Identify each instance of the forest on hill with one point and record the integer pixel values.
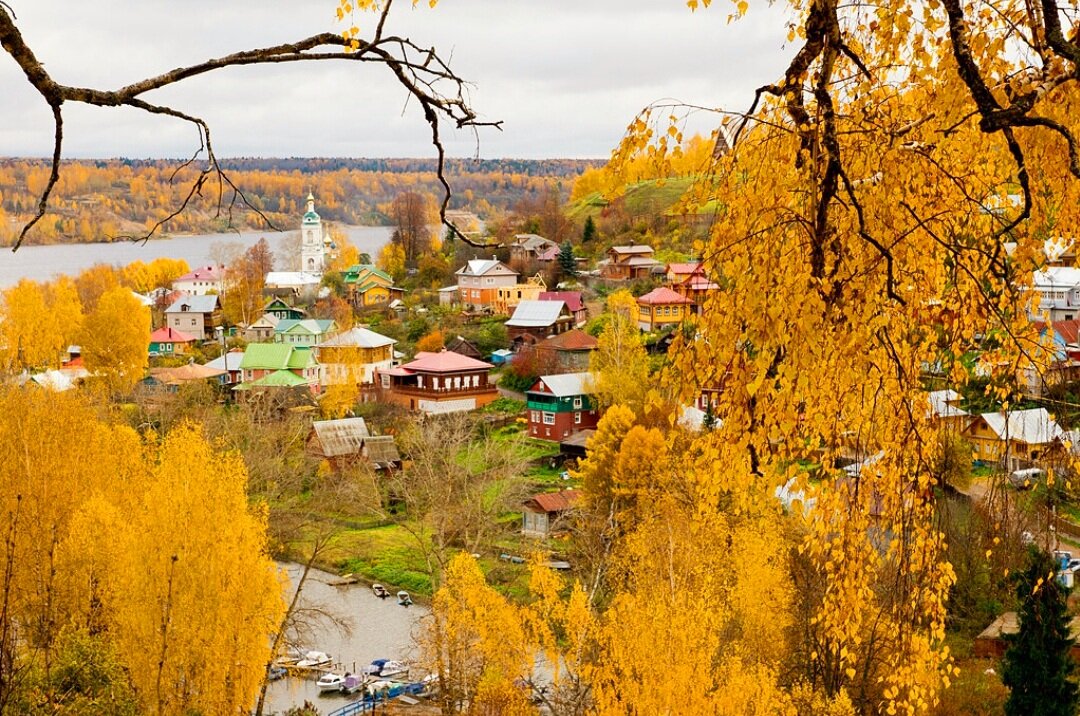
(106, 200)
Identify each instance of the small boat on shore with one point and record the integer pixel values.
(352, 684)
(330, 682)
(380, 591)
(404, 599)
(312, 659)
(386, 668)
(276, 672)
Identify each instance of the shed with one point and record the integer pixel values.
(542, 511)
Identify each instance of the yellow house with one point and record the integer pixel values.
(354, 356)
(368, 286)
(508, 297)
(1016, 438)
(661, 308)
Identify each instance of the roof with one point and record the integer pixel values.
(555, 501)
(267, 320)
(444, 362)
(185, 373)
(266, 356)
(549, 255)
(687, 267)
(642, 261)
(356, 270)
(278, 304)
(292, 278)
(1063, 277)
(278, 379)
(941, 404)
(168, 334)
(1033, 426)
(59, 380)
(532, 242)
(358, 337)
(536, 314)
(229, 361)
(572, 299)
(313, 326)
(340, 437)
(575, 340)
(195, 304)
(566, 385)
(463, 346)
(1068, 330)
(479, 267)
(203, 273)
(664, 295)
(632, 249)
(382, 451)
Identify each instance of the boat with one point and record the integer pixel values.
(352, 683)
(330, 682)
(385, 668)
(378, 689)
(312, 659)
(276, 672)
(380, 591)
(403, 598)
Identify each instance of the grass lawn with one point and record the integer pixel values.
(387, 555)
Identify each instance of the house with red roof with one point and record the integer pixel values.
(201, 281)
(443, 382)
(543, 512)
(574, 303)
(567, 352)
(662, 308)
(167, 341)
(689, 279)
(630, 262)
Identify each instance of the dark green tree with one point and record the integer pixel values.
(1038, 667)
(566, 259)
(589, 233)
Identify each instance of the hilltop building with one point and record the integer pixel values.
(315, 244)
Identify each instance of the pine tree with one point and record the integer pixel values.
(589, 233)
(566, 259)
(1038, 666)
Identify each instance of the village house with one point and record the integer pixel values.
(353, 357)
(568, 352)
(479, 281)
(544, 511)
(229, 365)
(347, 442)
(508, 297)
(201, 281)
(369, 287)
(262, 330)
(533, 321)
(990, 643)
(1059, 363)
(662, 308)
(278, 365)
(945, 410)
(448, 295)
(305, 332)
(629, 263)
(679, 272)
(195, 315)
(528, 248)
(279, 309)
(465, 347)
(443, 382)
(1059, 293)
(574, 303)
(167, 341)
(558, 405)
(689, 280)
(1016, 439)
(170, 380)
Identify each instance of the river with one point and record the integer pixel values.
(42, 263)
(379, 629)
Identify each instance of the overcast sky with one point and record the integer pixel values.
(565, 76)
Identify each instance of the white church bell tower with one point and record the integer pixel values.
(312, 241)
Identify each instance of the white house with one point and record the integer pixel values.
(201, 281)
(1059, 292)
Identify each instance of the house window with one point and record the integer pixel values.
(457, 382)
(435, 382)
(577, 418)
(534, 416)
(193, 321)
(476, 381)
(386, 381)
(577, 403)
(419, 381)
(549, 418)
(476, 294)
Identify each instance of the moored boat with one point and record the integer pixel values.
(330, 682)
(312, 659)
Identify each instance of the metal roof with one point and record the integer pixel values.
(340, 437)
(195, 304)
(1033, 426)
(358, 337)
(566, 385)
(536, 314)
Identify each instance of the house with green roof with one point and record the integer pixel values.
(369, 286)
(264, 365)
(304, 332)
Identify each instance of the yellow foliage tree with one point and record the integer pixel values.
(116, 338)
(392, 260)
(432, 342)
(620, 365)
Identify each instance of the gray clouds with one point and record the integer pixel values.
(566, 76)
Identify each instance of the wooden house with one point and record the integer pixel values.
(167, 341)
(354, 356)
(346, 442)
(507, 298)
(630, 262)
(262, 330)
(945, 410)
(370, 287)
(278, 365)
(574, 303)
(544, 511)
(567, 352)
(479, 282)
(559, 405)
(443, 382)
(534, 321)
(662, 308)
(305, 332)
(1015, 439)
(279, 309)
(229, 365)
(464, 347)
(528, 248)
(195, 315)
